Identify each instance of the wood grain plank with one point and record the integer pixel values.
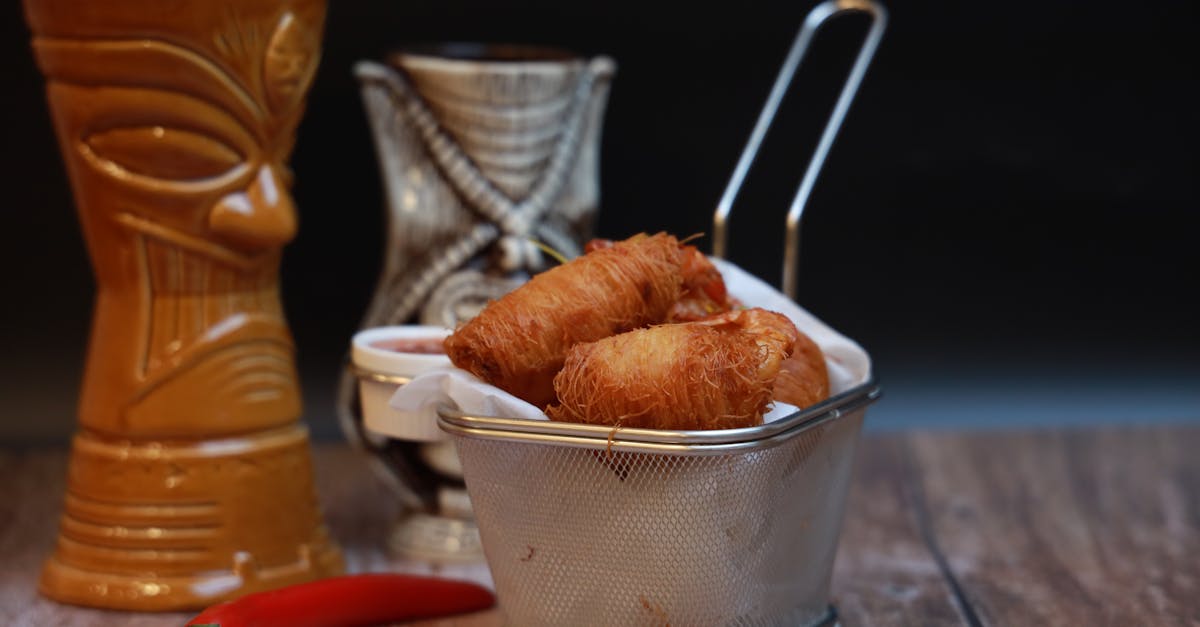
(1058, 528)
(358, 510)
(1069, 527)
(885, 575)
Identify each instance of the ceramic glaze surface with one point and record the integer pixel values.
(480, 154)
(190, 479)
(483, 150)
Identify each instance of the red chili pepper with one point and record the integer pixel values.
(352, 600)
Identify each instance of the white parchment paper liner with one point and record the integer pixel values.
(848, 365)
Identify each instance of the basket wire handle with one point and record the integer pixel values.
(812, 22)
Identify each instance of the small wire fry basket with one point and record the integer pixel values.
(585, 525)
(643, 527)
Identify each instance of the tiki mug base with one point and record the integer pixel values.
(189, 480)
(151, 526)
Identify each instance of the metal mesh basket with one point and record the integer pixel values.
(582, 525)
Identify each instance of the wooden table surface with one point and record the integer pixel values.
(1081, 527)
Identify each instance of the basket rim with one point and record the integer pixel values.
(716, 441)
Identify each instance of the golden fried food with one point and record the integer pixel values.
(703, 292)
(803, 378)
(711, 374)
(518, 342)
(774, 332)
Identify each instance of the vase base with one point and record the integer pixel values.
(173, 525)
(67, 584)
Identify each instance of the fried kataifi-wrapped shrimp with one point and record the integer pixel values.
(803, 378)
(703, 291)
(712, 374)
(518, 342)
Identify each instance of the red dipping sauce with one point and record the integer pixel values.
(418, 345)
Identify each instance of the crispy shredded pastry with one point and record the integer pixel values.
(640, 333)
(518, 343)
(717, 373)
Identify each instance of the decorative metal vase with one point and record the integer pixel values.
(487, 154)
(190, 478)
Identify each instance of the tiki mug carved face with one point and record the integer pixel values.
(483, 149)
(176, 120)
(190, 479)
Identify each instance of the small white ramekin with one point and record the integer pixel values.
(380, 370)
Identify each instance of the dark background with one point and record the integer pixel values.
(1007, 222)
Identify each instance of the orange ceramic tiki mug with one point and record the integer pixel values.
(190, 479)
